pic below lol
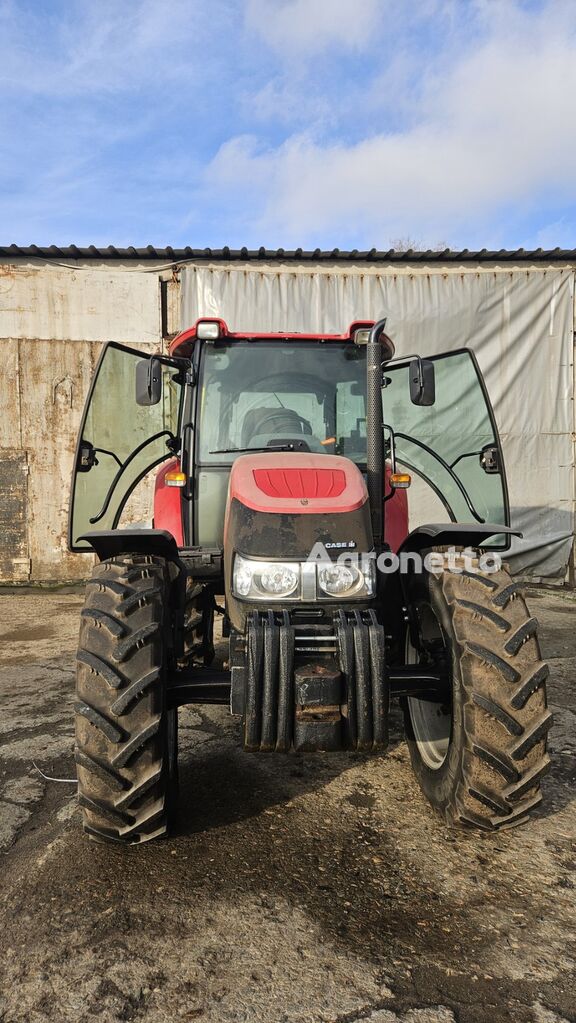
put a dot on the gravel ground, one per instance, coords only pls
(318, 888)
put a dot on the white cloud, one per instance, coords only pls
(496, 129)
(308, 26)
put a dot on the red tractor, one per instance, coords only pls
(284, 461)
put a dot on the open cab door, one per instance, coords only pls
(451, 445)
(120, 441)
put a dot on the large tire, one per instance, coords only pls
(125, 735)
(486, 748)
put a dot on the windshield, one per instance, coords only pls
(265, 394)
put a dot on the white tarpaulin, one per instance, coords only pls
(519, 323)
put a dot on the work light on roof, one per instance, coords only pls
(207, 330)
(361, 336)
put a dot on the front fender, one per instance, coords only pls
(109, 543)
(453, 534)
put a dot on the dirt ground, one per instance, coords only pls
(296, 889)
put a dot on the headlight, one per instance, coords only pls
(271, 580)
(292, 580)
(280, 579)
(341, 580)
(336, 579)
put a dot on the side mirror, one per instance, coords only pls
(422, 382)
(148, 382)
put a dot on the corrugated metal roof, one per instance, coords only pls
(285, 255)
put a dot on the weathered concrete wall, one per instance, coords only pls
(52, 325)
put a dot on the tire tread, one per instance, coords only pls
(121, 731)
(505, 719)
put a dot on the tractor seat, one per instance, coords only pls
(273, 421)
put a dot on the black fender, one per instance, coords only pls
(109, 543)
(395, 595)
(453, 534)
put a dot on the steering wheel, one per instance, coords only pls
(304, 382)
(287, 418)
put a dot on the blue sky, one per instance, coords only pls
(348, 123)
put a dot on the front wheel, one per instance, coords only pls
(126, 736)
(478, 753)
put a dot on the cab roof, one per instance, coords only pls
(183, 344)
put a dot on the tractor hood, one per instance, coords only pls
(297, 483)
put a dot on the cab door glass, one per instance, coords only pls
(120, 441)
(453, 444)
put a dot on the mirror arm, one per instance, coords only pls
(400, 359)
(168, 360)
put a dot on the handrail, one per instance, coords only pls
(131, 457)
(449, 470)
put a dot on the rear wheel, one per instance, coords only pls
(479, 753)
(126, 737)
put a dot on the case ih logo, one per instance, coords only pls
(340, 545)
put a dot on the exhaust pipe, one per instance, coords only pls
(375, 433)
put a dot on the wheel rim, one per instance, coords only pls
(431, 721)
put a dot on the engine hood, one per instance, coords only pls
(297, 483)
